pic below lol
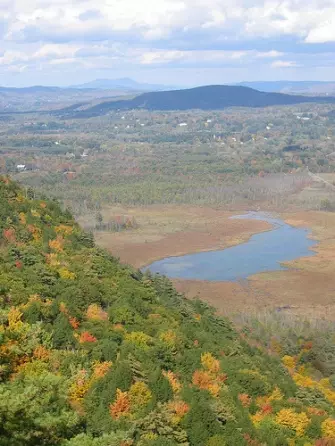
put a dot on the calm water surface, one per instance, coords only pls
(263, 252)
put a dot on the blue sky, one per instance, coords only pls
(181, 42)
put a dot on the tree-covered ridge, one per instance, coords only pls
(94, 353)
(210, 97)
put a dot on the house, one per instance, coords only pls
(21, 167)
(183, 124)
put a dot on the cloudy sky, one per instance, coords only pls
(175, 42)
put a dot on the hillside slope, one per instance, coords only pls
(94, 353)
(213, 97)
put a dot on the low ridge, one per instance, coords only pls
(213, 97)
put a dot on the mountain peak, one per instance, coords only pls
(125, 83)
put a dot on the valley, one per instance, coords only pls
(237, 348)
(167, 223)
(156, 184)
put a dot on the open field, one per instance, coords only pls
(307, 287)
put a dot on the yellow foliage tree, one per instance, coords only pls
(173, 380)
(66, 274)
(328, 428)
(14, 319)
(35, 213)
(289, 361)
(139, 394)
(276, 395)
(96, 313)
(293, 420)
(169, 337)
(257, 417)
(52, 259)
(63, 229)
(101, 368)
(79, 388)
(303, 380)
(138, 338)
(23, 218)
(210, 363)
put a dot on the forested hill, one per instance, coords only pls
(213, 97)
(94, 353)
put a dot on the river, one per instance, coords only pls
(262, 252)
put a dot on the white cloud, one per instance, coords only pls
(204, 56)
(39, 34)
(324, 32)
(158, 57)
(284, 64)
(312, 20)
(269, 54)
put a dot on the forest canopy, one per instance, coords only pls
(95, 353)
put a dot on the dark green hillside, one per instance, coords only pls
(94, 353)
(212, 97)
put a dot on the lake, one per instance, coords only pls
(263, 252)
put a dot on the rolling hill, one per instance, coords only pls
(214, 97)
(95, 353)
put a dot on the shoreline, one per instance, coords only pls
(241, 242)
(140, 249)
(305, 288)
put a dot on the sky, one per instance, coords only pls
(171, 42)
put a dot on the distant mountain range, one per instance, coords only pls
(130, 85)
(125, 85)
(31, 90)
(125, 94)
(300, 87)
(214, 97)
(122, 84)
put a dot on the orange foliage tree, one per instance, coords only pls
(121, 406)
(86, 337)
